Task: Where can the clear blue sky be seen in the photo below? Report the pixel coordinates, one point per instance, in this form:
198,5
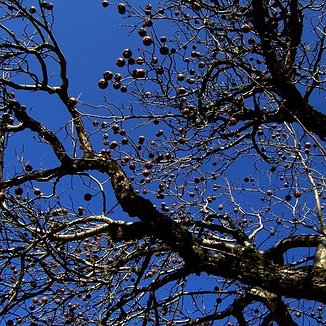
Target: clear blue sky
91,39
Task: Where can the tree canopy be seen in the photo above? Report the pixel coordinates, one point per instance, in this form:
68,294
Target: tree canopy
191,192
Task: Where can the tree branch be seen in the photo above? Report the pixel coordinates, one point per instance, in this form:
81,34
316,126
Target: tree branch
294,102
253,269
300,241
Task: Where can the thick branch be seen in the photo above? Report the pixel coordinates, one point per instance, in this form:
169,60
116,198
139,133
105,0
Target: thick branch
43,132
171,233
117,232
320,256
249,267
300,241
277,307
245,265
295,103
41,176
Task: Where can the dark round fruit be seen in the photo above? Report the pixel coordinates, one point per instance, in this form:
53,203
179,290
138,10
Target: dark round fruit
160,70
181,77
103,84
19,191
124,141
117,77
88,197
141,139
142,32
105,3
116,85
121,8
127,53
113,144
131,61
140,60
37,192
47,5
28,168
297,194
182,90
108,75
148,22
120,62
72,101
32,10
147,41
139,73
164,50
232,121
288,197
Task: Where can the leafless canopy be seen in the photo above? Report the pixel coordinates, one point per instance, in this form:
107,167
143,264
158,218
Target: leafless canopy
195,198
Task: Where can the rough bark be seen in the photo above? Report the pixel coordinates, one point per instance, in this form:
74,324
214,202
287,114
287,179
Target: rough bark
281,68
243,264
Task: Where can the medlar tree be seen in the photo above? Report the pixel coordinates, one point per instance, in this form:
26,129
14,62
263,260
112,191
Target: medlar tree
194,198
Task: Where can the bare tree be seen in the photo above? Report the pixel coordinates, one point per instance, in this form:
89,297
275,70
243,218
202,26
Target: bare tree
196,198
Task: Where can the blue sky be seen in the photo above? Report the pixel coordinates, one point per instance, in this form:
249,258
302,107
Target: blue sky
91,39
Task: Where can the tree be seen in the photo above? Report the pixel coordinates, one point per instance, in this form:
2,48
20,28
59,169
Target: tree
195,197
